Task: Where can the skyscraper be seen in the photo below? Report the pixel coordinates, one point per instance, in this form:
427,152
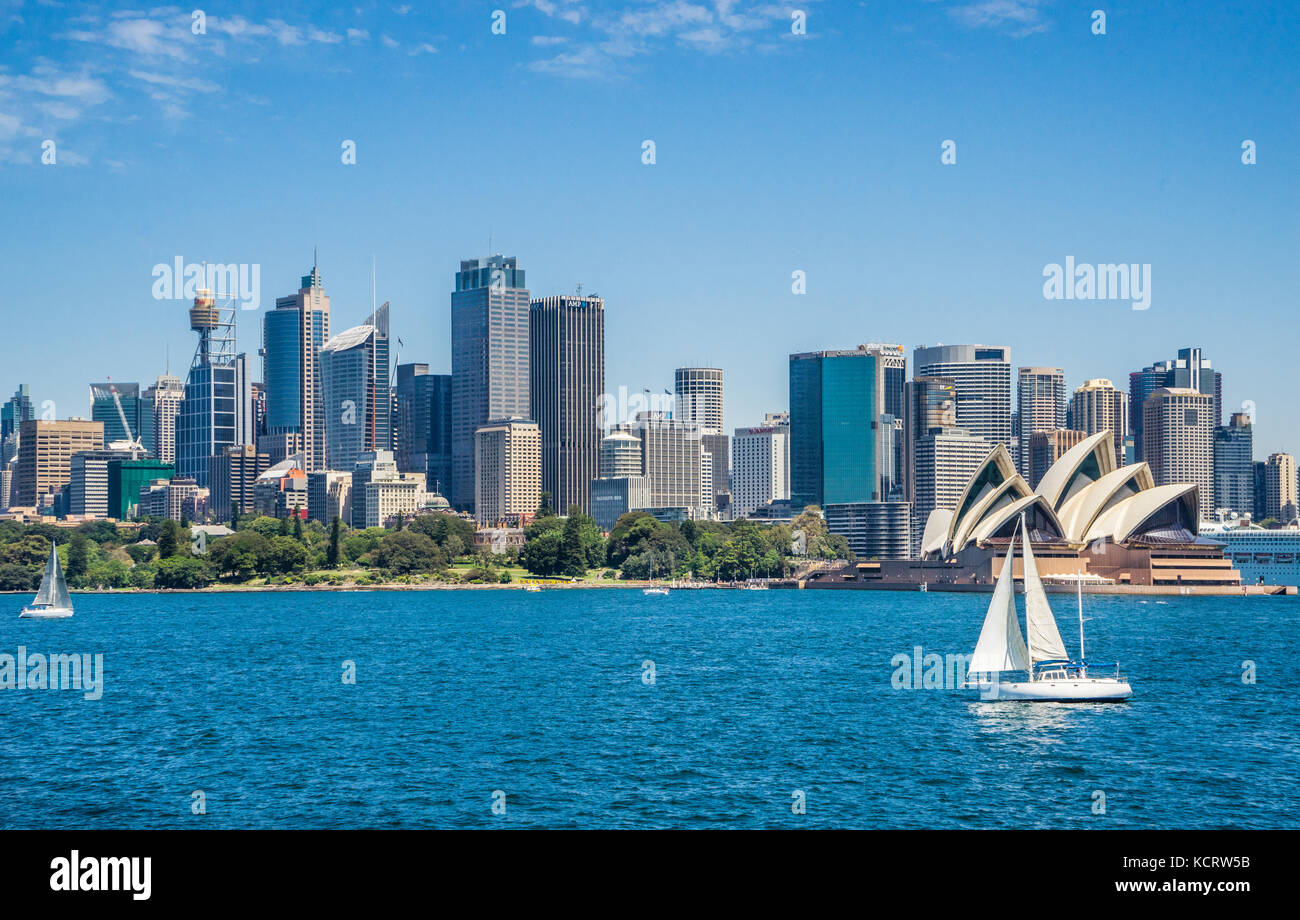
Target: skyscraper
507,463
1178,439
762,466
1098,406
138,412
233,477
489,358
13,413
354,392
1234,477
1190,370
45,456
1041,399
698,399
836,404
292,337
982,377
164,398
422,441
672,457
566,355
216,411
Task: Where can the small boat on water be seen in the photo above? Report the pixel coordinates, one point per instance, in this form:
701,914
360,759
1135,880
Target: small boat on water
756,587
1052,676
52,600
531,588
654,591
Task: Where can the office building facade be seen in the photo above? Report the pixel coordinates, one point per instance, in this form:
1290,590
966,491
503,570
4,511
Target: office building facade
508,467
1178,439
1234,475
981,375
489,359
566,355
292,337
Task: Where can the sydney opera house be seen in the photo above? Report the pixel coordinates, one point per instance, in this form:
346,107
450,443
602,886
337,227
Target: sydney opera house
1087,519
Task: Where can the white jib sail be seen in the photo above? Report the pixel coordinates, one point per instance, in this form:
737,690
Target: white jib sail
1044,638
1001,646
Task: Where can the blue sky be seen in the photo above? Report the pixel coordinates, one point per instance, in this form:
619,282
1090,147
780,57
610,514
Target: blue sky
774,153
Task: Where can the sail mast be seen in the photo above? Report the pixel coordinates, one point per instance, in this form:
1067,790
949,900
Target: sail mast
1029,627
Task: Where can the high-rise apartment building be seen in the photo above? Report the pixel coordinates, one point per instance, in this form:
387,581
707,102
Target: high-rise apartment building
489,359
508,467
45,453
1234,475
1178,439
292,337
981,375
1280,487
354,392
1040,393
566,355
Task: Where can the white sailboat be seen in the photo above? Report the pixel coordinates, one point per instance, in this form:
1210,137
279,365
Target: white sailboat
52,599
1051,675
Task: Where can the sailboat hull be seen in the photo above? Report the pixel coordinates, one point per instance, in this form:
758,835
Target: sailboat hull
1063,690
45,613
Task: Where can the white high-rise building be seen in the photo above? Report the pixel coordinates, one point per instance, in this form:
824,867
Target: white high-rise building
761,464
166,396
1041,395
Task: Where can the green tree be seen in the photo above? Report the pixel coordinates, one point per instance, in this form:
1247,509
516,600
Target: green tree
297,528
404,552
141,553
573,557
284,526
286,555
544,508
234,517
332,556
78,558
168,539
182,572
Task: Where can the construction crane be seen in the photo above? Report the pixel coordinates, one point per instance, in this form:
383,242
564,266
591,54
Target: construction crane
130,443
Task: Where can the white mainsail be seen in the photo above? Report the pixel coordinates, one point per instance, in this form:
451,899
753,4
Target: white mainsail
1044,638
53,591
1001,646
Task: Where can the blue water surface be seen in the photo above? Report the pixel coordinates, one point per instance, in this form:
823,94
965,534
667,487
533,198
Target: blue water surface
540,701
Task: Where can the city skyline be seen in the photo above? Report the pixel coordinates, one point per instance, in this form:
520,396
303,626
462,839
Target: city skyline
148,146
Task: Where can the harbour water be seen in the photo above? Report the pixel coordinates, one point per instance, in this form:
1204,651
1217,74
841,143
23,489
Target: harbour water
608,708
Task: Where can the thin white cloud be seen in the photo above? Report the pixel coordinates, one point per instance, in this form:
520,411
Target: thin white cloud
1018,17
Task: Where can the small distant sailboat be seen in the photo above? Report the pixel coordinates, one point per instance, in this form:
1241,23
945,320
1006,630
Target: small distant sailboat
1052,676
653,591
52,600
